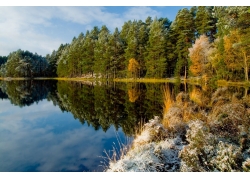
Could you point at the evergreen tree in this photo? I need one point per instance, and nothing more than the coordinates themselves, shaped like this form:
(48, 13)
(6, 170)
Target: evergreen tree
(143, 33)
(88, 48)
(171, 55)
(102, 60)
(3, 60)
(132, 42)
(184, 27)
(25, 64)
(116, 50)
(62, 69)
(75, 56)
(216, 59)
(155, 58)
(52, 66)
(204, 22)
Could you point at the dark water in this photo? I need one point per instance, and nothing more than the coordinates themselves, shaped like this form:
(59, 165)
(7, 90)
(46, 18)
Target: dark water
(66, 126)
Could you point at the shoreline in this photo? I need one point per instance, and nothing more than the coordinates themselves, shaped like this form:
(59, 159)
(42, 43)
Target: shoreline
(191, 80)
(215, 139)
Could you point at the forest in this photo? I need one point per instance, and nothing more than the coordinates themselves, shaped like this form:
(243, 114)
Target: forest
(203, 41)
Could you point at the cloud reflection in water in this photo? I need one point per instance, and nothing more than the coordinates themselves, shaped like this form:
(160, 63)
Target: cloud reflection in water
(42, 138)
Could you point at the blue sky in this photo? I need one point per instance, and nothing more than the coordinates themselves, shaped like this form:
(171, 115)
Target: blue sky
(42, 29)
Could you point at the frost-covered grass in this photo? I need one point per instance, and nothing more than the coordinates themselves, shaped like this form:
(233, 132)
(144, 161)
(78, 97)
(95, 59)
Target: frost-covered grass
(191, 138)
(206, 152)
(151, 151)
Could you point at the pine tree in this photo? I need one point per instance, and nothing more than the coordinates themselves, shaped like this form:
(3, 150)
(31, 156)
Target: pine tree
(171, 55)
(62, 64)
(132, 42)
(155, 58)
(102, 61)
(143, 33)
(184, 27)
(88, 48)
(115, 51)
(25, 64)
(204, 22)
(75, 56)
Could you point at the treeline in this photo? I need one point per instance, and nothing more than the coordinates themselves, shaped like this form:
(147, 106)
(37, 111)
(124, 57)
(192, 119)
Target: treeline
(201, 41)
(24, 64)
(228, 55)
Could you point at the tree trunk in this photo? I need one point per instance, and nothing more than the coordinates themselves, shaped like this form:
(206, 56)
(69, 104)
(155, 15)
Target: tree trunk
(245, 66)
(185, 76)
(246, 90)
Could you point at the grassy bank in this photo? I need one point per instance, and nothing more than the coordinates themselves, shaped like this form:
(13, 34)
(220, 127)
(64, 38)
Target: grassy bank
(51, 78)
(230, 83)
(147, 80)
(191, 80)
(16, 78)
(67, 79)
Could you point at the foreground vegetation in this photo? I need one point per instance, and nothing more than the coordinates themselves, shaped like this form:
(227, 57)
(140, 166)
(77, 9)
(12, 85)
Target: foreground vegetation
(198, 133)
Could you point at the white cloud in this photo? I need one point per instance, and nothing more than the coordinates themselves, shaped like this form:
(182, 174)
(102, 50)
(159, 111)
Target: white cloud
(35, 28)
(91, 16)
(140, 13)
(37, 110)
(19, 30)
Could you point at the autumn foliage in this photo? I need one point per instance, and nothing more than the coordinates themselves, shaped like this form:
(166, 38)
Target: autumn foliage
(199, 56)
(133, 67)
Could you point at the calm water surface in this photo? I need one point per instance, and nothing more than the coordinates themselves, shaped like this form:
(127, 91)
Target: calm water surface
(60, 126)
(66, 126)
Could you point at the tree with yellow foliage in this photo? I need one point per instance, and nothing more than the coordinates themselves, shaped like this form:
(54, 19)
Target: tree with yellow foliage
(199, 56)
(237, 54)
(133, 67)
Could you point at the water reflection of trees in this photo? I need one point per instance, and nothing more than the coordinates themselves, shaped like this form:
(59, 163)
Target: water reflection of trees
(25, 93)
(107, 105)
(119, 104)
(3, 95)
(100, 106)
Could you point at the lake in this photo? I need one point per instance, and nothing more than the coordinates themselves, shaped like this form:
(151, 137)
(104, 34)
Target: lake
(65, 126)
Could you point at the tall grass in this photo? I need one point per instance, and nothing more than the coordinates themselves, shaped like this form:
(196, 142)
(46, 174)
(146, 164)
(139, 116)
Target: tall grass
(167, 104)
(118, 151)
(196, 96)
